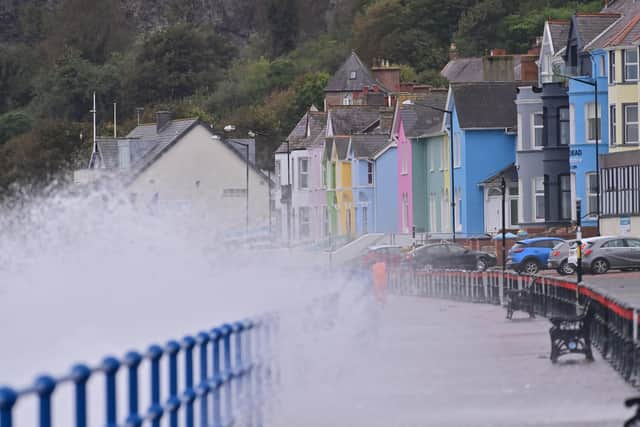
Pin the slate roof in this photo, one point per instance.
(590, 25)
(298, 139)
(510, 172)
(486, 105)
(342, 81)
(559, 31)
(342, 146)
(464, 70)
(238, 144)
(146, 144)
(351, 119)
(418, 120)
(367, 145)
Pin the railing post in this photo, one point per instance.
(155, 409)
(132, 361)
(173, 401)
(80, 375)
(501, 288)
(228, 374)
(44, 387)
(217, 380)
(238, 373)
(8, 398)
(203, 387)
(189, 395)
(110, 366)
(249, 365)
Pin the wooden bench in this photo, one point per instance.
(520, 300)
(572, 334)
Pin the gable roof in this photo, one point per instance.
(418, 120)
(367, 145)
(588, 26)
(312, 121)
(341, 81)
(352, 119)
(559, 33)
(342, 146)
(486, 105)
(464, 70)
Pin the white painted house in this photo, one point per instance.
(181, 165)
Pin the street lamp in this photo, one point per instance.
(503, 187)
(452, 178)
(593, 83)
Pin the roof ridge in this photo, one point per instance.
(622, 34)
(559, 21)
(599, 14)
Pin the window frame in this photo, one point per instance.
(588, 108)
(589, 193)
(626, 64)
(370, 172)
(303, 173)
(537, 194)
(457, 148)
(626, 123)
(612, 66)
(534, 126)
(562, 121)
(562, 194)
(613, 125)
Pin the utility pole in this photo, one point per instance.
(579, 240)
(503, 187)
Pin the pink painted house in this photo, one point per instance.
(405, 182)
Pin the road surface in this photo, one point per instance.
(420, 362)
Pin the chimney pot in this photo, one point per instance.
(162, 120)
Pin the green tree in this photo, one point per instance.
(14, 123)
(283, 25)
(18, 66)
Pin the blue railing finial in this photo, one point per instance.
(8, 398)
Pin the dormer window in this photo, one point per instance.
(353, 75)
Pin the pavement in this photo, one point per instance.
(623, 286)
(419, 362)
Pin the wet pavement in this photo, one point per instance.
(419, 362)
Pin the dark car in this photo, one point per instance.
(389, 254)
(449, 256)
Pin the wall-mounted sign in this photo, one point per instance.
(625, 225)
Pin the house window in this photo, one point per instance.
(538, 130)
(234, 192)
(613, 128)
(630, 123)
(565, 128)
(405, 213)
(457, 150)
(277, 170)
(612, 66)
(432, 213)
(348, 99)
(325, 221)
(443, 155)
(565, 196)
(303, 173)
(304, 221)
(593, 126)
(601, 65)
(365, 220)
(370, 173)
(592, 193)
(353, 75)
(404, 168)
(458, 213)
(514, 193)
(630, 65)
(538, 189)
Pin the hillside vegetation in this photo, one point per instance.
(258, 64)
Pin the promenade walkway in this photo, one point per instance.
(420, 362)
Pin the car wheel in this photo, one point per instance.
(481, 264)
(530, 267)
(600, 266)
(566, 269)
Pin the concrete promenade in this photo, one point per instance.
(419, 362)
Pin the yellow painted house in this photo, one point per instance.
(620, 169)
(344, 186)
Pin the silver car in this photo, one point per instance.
(563, 257)
(600, 254)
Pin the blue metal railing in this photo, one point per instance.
(235, 371)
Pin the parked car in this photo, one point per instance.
(389, 254)
(531, 255)
(563, 257)
(449, 256)
(600, 254)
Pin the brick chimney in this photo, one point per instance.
(497, 52)
(388, 75)
(162, 120)
(453, 52)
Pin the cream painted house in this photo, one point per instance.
(181, 166)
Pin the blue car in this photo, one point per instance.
(531, 255)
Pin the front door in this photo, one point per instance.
(493, 211)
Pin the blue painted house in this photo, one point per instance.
(584, 134)
(484, 142)
(386, 189)
(362, 148)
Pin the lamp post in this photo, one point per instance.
(593, 83)
(503, 187)
(451, 174)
